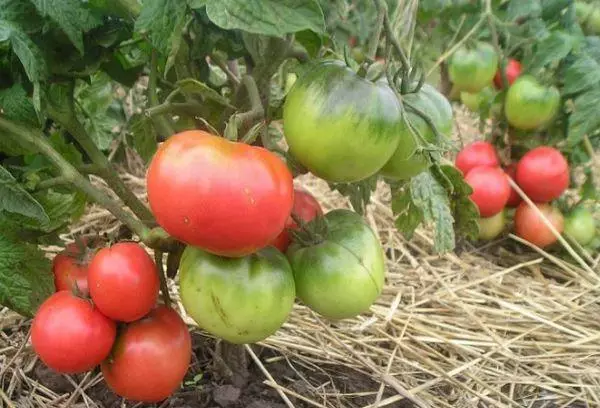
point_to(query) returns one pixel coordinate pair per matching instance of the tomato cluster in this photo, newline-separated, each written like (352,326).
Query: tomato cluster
(105,312)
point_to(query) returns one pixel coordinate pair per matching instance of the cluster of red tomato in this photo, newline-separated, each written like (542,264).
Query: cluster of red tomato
(105,312)
(542,174)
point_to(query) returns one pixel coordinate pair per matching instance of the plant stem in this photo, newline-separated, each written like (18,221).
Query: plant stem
(192,108)
(256,107)
(389,32)
(52,182)
(235,80)
(164,288)
(161,123)
(374,43)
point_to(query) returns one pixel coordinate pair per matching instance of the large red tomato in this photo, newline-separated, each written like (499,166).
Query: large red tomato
(513,70)
(476,154)
(543,174)
(150,358)
(514,199)
(123,281)
(306,207)
(490,189)
(70,335)
(227,198)
(70,268)
(530,226)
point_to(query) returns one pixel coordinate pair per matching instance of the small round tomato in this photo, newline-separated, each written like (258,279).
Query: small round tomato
(343,275)
(472,68)
(70,268)
(543,174)
(514,199)
(491,227)
(529,104)
(306,207)
(580,225)
(490,189)
(530,226)
(123,281)
(476,154)
(70,335)
(227,198)
(150,358)
(241,300)
(513,71)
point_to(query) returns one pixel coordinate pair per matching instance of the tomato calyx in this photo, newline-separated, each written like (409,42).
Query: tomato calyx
(311,233)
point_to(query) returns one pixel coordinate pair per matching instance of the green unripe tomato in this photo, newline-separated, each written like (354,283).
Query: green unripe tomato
(529,104)
(343,275)
(580,225)
(473,68)
(475,102)
(491,227)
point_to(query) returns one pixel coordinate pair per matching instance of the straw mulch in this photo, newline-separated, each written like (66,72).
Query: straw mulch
(495,325)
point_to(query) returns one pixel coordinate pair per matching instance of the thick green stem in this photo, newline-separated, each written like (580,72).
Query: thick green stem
(391,36)
(160,269)
(161,123)
(191,108)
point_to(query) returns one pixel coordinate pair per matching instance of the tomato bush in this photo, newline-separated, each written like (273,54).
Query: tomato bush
(543,174)
(491,189)
(472,68)
(530,226)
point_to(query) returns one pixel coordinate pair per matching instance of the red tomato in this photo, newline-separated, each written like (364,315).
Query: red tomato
(543,174)
(306,207)
(513,70)
(123,281)
(70,335)
(70,268)
(150,358)
(514,199)
(490,189)
(476,154)
(529,225)
(228,198)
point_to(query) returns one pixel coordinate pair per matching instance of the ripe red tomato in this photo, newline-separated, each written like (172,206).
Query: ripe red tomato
(70,268)
(227,198)
(70,335)
(543,174)
(490,189)
(513,70)
(123,281)
(306,207)
(529,225)
(476,154)
(150,358)
(514,199)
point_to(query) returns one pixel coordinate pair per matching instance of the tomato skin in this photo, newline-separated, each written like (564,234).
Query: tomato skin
(472,68)
(543,174)
(150,358)
(529,226)
(342,276)
(491,227)
(490,189)
(476,154)
(341,127)
(514,199)
(227,198)
(513,71)
(70,335)
(406,161)
(580,225)
(241,300)
(529,104)
(306,207)
(123,281)
(70,269)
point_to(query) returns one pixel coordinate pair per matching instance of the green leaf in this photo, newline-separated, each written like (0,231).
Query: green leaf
(26,278)
(143,136)
(28,53)
(588,189)
(311,41)
(585,118)
(358,193)
(17,106)
(269,17)
(582,75)
(67,150)
(518,9)
(163,21)
(550,50)
(191,87)
(71,16)
(14,199)
(408,215)
(196,4)
(20,12)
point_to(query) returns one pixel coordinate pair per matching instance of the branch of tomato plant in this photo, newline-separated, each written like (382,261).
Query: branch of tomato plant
(161,123)
(164,288)
(390,35)
(374,43)
(233,78)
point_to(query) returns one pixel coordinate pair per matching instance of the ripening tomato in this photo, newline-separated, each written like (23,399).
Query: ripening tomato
(491,227)
(543,174)
(515,199)
(306,207)
(476,154)
(123,281)
(225,197)
(490,189)
(472,68)
(150,358)
(513,70)
(70,335)
(580,225)
(70,268)
(529,104)
(530,226)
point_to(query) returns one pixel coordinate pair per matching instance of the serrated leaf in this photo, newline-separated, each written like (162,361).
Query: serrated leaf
(408,215)
(550,50)
(518,9)
(26,278)
(143,136)
(268,17)
(28,53)
(162,20)
(583,74)
(17,106)
(71,16)
(192,87)
(14,199)
(584,119)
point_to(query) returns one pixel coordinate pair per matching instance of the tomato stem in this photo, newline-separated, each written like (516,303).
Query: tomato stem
(164,288)
(161,123)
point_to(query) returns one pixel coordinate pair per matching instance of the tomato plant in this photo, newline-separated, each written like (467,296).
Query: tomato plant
(472,68)
(491,189)
(530,104)
(530,226)
(150,357)
(70,335)
(123,281)
(476,154)
(580,225)
(543,174)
